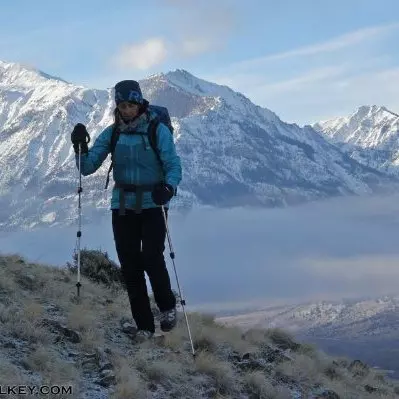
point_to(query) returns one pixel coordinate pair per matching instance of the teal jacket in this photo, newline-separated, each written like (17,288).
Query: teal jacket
(134,160)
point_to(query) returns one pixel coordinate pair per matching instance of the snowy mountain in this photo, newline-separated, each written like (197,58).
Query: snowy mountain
(347,318)
(234,153)
(365,328)
(370,135)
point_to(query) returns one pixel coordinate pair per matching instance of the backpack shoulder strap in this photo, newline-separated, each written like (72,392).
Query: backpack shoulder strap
(152,138)
(114,139)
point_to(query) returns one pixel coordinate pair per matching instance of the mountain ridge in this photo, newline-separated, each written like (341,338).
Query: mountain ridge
(365,328)
(369,135)
(234,153)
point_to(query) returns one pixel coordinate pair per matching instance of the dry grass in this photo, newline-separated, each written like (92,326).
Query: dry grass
(129,383)
(157,370)
(221,372)
(92,339)
(32,311)
(11,375)
(281,338)
(81,317)
(25,289)
(20,323)
(256,336)
(208,336)
(262,387)
(47,361)
(303,369)
(308,350)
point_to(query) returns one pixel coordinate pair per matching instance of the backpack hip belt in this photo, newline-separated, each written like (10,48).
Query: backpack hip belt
(139,189)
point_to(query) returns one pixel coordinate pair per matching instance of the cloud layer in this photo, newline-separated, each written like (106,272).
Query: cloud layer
(340,248)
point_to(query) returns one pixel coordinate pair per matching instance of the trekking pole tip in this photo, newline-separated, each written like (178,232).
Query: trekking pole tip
(78,285)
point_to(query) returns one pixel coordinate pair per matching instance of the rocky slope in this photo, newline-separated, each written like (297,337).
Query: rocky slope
(85,345)
(367,329)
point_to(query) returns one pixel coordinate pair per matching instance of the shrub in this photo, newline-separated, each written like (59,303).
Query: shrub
(98,267)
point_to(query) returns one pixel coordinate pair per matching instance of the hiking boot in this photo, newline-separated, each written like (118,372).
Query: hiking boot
(168,320)
(143,335)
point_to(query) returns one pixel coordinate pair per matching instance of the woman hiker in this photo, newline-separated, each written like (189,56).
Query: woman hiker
(137,199)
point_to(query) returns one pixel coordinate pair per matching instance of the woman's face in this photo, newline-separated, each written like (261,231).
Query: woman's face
(128,110)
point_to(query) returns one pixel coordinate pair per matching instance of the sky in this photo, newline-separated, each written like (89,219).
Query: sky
(345,247)
(307,60)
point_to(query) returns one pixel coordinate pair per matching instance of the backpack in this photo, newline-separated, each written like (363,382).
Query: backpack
(162,117)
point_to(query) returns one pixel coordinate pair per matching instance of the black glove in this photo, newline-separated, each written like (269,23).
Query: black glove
(80,136)
(162,193)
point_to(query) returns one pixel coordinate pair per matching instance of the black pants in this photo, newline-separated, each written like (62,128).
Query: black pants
(146,229)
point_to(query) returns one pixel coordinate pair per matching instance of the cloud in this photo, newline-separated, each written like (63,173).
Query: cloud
(350,39)
(355,269)
(195,46)
(193,37)
(329,249)
(301,81)
(143,55)
(322,80)
(186,35)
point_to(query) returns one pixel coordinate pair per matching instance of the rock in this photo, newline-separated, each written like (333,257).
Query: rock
(68,333)
(323,393)
(358,368)
(283,341)
(71,335)
(254,364)
(249,362)
(91,355)
(285,379)
(343,363)
(332,371)
(9,345)
(27,281)
(107,380)
(235,357)
(159,339)
(329,394)
(248,355)
(124,320)
(273,355)
(106,366)
(371,389)
(211,392)
(14,343)
(90,364)
(106,373)
(51,309)
(129,328)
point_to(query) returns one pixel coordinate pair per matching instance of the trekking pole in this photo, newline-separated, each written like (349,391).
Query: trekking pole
(182,301)
(79,232)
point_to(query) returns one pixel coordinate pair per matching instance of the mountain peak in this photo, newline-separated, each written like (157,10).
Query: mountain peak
(18,72)
(371,111)
(370,135)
